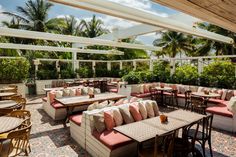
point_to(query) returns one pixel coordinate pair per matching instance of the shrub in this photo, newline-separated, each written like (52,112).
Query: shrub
(186,74)
(14,70)
(219,74)
(68,74)
(44,74)
(161,71)
(85,72)
(132,78)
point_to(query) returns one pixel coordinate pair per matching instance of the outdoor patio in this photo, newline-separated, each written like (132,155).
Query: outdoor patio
(50,138)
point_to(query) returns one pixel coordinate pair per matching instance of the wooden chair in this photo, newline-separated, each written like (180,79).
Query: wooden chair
(15,142)
(204,135)
(197,105)
(187,95)
(163,146)
(21,101)
(23,114)
(172,99)
(13,90)
(183,145)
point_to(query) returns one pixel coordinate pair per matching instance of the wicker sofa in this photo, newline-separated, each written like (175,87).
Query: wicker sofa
(56,110)
(105,144)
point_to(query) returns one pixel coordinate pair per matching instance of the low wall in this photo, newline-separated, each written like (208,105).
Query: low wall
(22,88)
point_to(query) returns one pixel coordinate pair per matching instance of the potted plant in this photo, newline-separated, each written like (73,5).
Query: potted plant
(31,86)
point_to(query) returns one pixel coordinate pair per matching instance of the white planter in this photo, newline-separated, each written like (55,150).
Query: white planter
(125,89)
(22,89)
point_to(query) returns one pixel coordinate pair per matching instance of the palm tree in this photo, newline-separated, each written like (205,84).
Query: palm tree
(33,16)
(92,28)
(220,48)
(173,43)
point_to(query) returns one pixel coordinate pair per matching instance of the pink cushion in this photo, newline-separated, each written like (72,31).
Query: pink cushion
(234,92)
(78,92)
(109,120)
(173,86)
(216,101)
(134,110)
(166,93)
(113,90)
(220,110)
(119,102)
(112,139)
(134,94)
(143,95)
(77,119)
(57,105)
(52,96)
(181,95)
(44,99)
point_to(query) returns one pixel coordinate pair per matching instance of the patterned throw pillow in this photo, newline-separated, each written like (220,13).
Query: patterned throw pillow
(134,110)
(93,106)
(200,89)
(109,120)
(117,117)
(155,108)
(119,102)
(66,92)
(84,90)
(99,122)
(124,110)
(135,89)
(143,110)
(133,99)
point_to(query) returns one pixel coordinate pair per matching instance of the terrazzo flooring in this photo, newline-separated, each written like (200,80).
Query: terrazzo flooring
(52,139)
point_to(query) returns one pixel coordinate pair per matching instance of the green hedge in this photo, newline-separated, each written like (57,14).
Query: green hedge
(85,72)
(186,74)
(14,70)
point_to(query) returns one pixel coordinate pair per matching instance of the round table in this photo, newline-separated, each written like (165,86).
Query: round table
(6,94)
(7,104)
(6,89)
(162,92)
(9,123)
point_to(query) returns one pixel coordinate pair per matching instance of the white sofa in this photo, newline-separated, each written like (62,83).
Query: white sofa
(82,133)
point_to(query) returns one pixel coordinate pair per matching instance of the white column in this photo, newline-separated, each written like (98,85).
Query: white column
(200,65)
(94,67)
(36,63)
(74,61)
(172,65)
(151,65)
(134,65)
(121,65)
(109,66)
(58,68)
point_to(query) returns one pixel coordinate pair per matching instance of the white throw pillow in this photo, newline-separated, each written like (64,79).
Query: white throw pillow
(200,89)
(59,94)
(66,92)
(232,105)
(141,88)
(73,92)
(224,94)
(135,89)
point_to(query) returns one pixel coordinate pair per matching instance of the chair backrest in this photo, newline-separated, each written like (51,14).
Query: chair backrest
(186,133)
(207,126)
(15,88)
(167,144)
(5,111)
(187,94)
(175,92)
(23,114)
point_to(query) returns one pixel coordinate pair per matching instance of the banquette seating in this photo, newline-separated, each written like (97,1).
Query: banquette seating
(223,117)
(98,137)
(55,109)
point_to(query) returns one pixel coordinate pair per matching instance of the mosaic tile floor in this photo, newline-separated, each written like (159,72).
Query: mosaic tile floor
(51,139)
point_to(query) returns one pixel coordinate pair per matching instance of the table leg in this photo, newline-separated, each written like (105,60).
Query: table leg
(162,97)
(69,111)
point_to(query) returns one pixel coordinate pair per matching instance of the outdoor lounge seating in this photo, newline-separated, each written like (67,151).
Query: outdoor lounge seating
(223,118)
(55,109)
(107,142)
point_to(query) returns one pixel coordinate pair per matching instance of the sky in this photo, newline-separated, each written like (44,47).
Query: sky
(110,22)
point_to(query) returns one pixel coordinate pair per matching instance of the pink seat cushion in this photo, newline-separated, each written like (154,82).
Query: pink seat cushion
(216,101)
(220,110)
(181,95)
(44,99)
(167,93)
(114,90)
(112,139)
(77,119)
(134,94)
(143,95)
(57,105)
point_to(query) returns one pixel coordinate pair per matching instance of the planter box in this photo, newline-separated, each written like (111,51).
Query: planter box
(22,89)
(125,89)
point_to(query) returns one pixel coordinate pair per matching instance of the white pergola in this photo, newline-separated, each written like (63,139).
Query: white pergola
(149,23)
